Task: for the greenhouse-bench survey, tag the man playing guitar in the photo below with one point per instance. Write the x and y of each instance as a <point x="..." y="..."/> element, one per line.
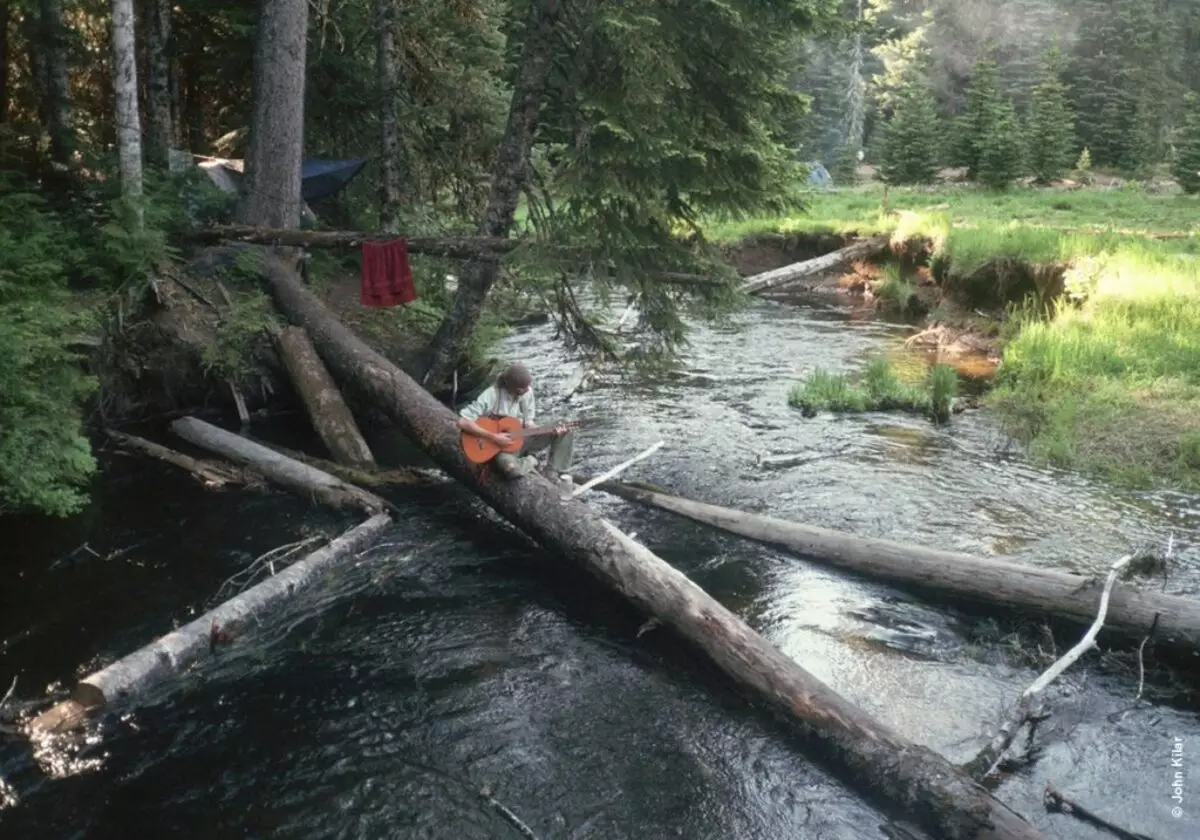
<point x="512" y="396"/>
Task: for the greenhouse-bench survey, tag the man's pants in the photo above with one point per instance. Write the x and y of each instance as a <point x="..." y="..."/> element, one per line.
<point x="562" y="450"/>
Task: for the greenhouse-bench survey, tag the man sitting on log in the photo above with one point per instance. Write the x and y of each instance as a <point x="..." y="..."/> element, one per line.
<point x="512" y="396"/>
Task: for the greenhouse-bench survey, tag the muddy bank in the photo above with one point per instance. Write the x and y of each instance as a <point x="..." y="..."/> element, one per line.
<point x="201" y="332"/>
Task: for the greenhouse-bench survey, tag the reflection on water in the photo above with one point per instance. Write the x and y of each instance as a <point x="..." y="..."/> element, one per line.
<point x="455" y="657"/>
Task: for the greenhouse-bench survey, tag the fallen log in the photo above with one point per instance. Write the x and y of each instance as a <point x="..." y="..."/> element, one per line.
<point x="326" y="409"/>
<point x="210" y="473"/>
<point x="908" y="778"/>
<point x="286" y="472"/>
<point x="170" y="655"/>
<point x="462" y="247"/>
<point x="982" y="580"/>
<point x="788" y="274"/>
<point x="379" y="477"/>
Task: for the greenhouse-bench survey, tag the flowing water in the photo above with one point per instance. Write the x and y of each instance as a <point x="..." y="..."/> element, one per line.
<point x="452" y="655"/>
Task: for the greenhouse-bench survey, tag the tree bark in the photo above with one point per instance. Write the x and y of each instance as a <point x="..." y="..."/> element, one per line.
<point x="292" y="475"/>
<point x="125" y="93"/>
<point x="160" y="134"/>
<point x="326" y="409"/>
<point x="508" y="180"/>
<point x="389" y="207"/>
<point x="271" y="186"/>
<point x="5" y="17"/>
<point x="759" y="283"/>
<point x="912" y="779"/>
<point x="948" y="573"/>
<point x="52" y="52"/>
<point x="170" y="655"/>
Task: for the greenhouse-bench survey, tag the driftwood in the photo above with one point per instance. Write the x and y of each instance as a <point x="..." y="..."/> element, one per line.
<point x="292" y="475"/>
<point x="1056" y="802"/>
<point x="948" y="573"/>
<point x="210" y="473"/>
<point x="170" y="655"/>
<point x="983" y="764"/>
<point x="911" y="779"/>
<point x="326" y="409"/>
<point x="788" y="274"/>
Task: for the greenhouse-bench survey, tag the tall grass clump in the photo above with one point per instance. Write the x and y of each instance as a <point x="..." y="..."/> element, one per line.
<point x="878" y="388"/>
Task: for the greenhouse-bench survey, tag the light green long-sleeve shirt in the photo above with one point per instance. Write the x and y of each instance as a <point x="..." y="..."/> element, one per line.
<point x="496" y="400"/>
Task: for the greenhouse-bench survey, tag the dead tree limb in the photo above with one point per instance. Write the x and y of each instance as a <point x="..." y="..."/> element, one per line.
<point x="379" y="477"/>
<point x="911" y="779"/>
<point x="463" y="247"/>
<point x="1056" y="802"/>
<point x="210" y="473"/>
<point x="169" y="655"/>
<point x="983" y="764"/>
<point x="984" y="580"/>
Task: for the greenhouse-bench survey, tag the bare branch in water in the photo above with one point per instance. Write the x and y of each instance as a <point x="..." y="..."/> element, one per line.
<point x="1056" y="802"/>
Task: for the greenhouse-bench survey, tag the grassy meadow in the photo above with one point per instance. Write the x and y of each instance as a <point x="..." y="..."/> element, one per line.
<point x="1107" y="380"/>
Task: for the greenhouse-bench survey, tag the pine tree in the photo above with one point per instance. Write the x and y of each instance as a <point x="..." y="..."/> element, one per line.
<point x="1000" y="147"/>
<point x="1187" y="150"/>
<point x="974" y="125"/>
<point x="1051" y="124"/>
<point x="911" y="139"/>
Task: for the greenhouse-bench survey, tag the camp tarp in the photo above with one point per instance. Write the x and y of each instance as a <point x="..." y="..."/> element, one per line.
<point x="319" y="178"/>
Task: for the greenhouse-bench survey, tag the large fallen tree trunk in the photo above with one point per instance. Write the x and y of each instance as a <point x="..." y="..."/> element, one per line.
<point x="794" y="273"/>
<point x="909" y="778"/>
<point x="326" y="409"/>
<point x="169" y="655"/>
<point x="983" y="580"/>
<point x="287" y="473"/>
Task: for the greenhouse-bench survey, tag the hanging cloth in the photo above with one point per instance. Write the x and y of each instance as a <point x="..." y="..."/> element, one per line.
<point x="387" y="279"/>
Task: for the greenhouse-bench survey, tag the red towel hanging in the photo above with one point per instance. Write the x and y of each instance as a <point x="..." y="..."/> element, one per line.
<point x="387" y="279"/>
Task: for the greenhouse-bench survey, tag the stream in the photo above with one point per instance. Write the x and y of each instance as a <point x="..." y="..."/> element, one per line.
<point x="451" y="655"/>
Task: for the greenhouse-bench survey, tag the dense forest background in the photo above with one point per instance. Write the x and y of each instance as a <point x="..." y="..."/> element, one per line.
<point x="655" y="115"/>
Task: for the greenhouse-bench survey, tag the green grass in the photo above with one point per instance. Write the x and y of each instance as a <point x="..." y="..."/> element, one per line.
<point x="1107" y="379"/>
<point x="878" y="389"/>
<point x="895" y="292"/>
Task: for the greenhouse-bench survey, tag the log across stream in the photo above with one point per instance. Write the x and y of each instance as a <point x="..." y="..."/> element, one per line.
<point x="992" y="581"/>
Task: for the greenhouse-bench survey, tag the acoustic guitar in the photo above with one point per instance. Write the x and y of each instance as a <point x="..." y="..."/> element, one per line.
<point x="481" y="450"/>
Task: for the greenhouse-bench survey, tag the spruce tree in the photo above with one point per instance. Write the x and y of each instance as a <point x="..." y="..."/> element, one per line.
<point x="911" y="138"/>
<point x="975" y="124"/>
<point x="1000" y="146"/>
<point x="1051" y="124"/>
<point x="1187" y="150"/>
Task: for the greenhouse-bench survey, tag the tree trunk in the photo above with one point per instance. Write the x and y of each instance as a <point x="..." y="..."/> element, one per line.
<point x="389" y="206"/>
<point x="160" y="132"/>
<point x="508" y="179"/>
<point x="271" y="191"/>
<point x="170" y="655"/>
<point x="759" y="283"/>
<point x="125" y="92"/>
<point x="326" y="408"/>
<point x="912" y="779"/>
<point x="949" y="573"/>
<point x="52" y="51"/>
<point x="5" y="16"/>
<point x="292" y="475"/>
